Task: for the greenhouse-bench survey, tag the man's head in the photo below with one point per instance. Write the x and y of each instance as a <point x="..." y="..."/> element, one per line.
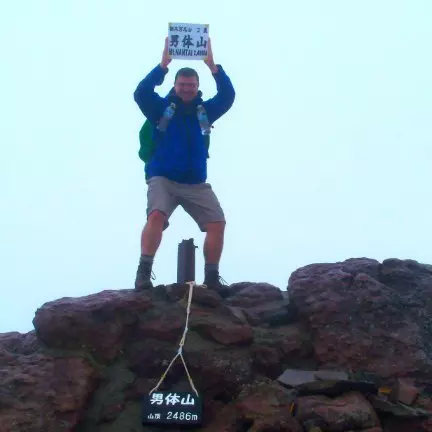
<point x="186" y="84"/>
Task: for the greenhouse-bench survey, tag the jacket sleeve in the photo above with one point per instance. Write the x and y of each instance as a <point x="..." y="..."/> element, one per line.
<point x="149" y="102"/>
<point x="217" y="106"/>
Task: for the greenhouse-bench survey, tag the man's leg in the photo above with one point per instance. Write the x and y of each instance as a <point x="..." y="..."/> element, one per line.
<point x="213" y="245"/>
<point x="152" y="233"/>
<point x="203" y="205"/>
<point x="160" y="205"/>
<point x="150" y="240"/>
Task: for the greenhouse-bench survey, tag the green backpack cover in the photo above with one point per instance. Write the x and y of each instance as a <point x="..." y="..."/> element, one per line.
<point x="147" y="145"/>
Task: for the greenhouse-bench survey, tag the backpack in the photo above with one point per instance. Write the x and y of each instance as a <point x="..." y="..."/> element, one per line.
<point x="147" y="144"/>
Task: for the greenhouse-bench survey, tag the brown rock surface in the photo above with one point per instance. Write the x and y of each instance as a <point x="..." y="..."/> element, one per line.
<point x="404" y="392"/>
<point x="43" y="393"/>
<point x="260" y="407"/>
<point x="249" y="295"/>
<point x="222" y="329"/>
<point x="349" y="411"/>
<point x="357" y="326"/>
<point x="95" y="322"/>
<point x="368" y="316"/>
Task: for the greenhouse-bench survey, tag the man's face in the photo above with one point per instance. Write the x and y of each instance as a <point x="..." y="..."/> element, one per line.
<point x="186" y="87"/>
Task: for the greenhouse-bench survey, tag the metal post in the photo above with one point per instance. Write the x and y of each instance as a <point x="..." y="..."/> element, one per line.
<point x="186" y="261"/>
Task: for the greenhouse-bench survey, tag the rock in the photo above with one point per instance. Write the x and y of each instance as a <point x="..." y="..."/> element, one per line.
<point x="425" y="426"/>
<point x="366" y="266"/>
<point x="168" y="326"/>
<point x="363" y="318"/>
<point x="313" y="428"/>
<point x="315" y="425"/>
<point x="274" y="349"/>
<point x="268" y="407"/>
<point x="276" y="313"/>
<point x="384" y="406"/>
<point x="404" y="392"/>
<point x="18" y="343"/>
<point x="221" y="329"/>
<point x="89" y="361"/>
<point x="239" y="314"/>
<point x="176" y="291"/>
<point x="111" y="412"/>
<point x="149" y="358"/>
<point x="128" y="420"/>
<point x="43" y="393"/>
<point x="220" y="375"/>
<point x="200" y="296"/>
<point x="402" y="425"/>
<point x="260" y="407"/>
<point x="324" y="375"/>
<point x="314" y="382"/>
<point x="109" y="400"/>
<point x="167" y="323"/>
<point x="266" y="360"/>
<point x="407" y="276"/>
<point x="95" y="323"/>
<point x="336" y="388"/>
<point x="374" y="378"/>
<point x="374" y="429"/>
<point x="350" y="411"/>
<point x="248" y="294"/>
<point x="293" y="342"/>
<point x="279" y="423"/>
<point x="425" y="401"/>
<point x="206" y="297"/>
<point x="294" y="378"/>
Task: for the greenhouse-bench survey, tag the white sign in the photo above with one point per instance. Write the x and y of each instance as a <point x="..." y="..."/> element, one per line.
<point x="172" y="408"/>
<point x="188" y="41"/>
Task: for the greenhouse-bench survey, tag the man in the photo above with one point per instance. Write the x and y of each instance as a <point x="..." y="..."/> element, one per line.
<point x="176" y="173"/>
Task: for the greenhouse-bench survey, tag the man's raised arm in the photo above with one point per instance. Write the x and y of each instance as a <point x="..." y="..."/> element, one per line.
<point x="149" y="102"/>
<point x="224" y="98"/>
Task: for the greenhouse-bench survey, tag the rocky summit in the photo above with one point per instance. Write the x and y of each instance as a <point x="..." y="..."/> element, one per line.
<point x="346" y="347"/>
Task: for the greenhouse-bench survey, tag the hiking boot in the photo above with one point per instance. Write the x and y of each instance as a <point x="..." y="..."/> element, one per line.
<point x="144" y="276"/>
<point x="216" y="283"/>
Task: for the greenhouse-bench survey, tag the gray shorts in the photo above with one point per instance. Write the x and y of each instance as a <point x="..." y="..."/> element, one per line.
<point x="198" y="200"/>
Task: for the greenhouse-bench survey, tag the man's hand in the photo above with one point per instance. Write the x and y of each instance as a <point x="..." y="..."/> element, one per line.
<point x="166" y="59"/>
<point x="209" y="60"/>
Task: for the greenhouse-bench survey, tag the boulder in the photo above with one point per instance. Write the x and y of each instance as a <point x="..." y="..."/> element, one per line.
<point x="368" y="316"/>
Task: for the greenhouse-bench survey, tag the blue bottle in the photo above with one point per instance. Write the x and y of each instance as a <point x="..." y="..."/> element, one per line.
<point x="166" y="117"/>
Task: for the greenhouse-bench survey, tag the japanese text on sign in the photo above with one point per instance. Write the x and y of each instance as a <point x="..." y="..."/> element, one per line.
<point x="171" y="399"/>
<point x="188" y="41"/>
<point x="163" y="407"/>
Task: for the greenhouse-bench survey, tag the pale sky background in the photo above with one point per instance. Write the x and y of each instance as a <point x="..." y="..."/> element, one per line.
<point x="325" y="155"/>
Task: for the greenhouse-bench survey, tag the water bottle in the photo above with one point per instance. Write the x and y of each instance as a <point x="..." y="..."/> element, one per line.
<point x="203" y="120"/>
<point x="167" y="116"/>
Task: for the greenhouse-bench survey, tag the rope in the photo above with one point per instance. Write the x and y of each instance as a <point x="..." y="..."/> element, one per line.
<point x="180" y="349"/>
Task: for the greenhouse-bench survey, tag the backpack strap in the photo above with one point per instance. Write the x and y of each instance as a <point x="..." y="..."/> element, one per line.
<point x="147" y="145"/>
<point x="169" y="113"/>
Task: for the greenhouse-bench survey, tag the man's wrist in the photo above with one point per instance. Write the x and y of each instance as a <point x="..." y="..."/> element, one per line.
<point x="213" y="67"/>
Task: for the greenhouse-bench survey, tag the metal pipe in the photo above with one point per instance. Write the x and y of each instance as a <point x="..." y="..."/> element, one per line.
<point x="186" y="261"/>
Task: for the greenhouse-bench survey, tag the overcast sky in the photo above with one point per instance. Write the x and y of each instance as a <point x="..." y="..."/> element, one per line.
<point x="325" y="155"/>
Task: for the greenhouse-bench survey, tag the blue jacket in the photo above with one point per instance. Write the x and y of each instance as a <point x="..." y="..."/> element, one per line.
<point x="181" y="154"/>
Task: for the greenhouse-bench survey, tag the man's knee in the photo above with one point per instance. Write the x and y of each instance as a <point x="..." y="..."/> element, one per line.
<point x="217" y="228"/>
<point x="157" y="218"/>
